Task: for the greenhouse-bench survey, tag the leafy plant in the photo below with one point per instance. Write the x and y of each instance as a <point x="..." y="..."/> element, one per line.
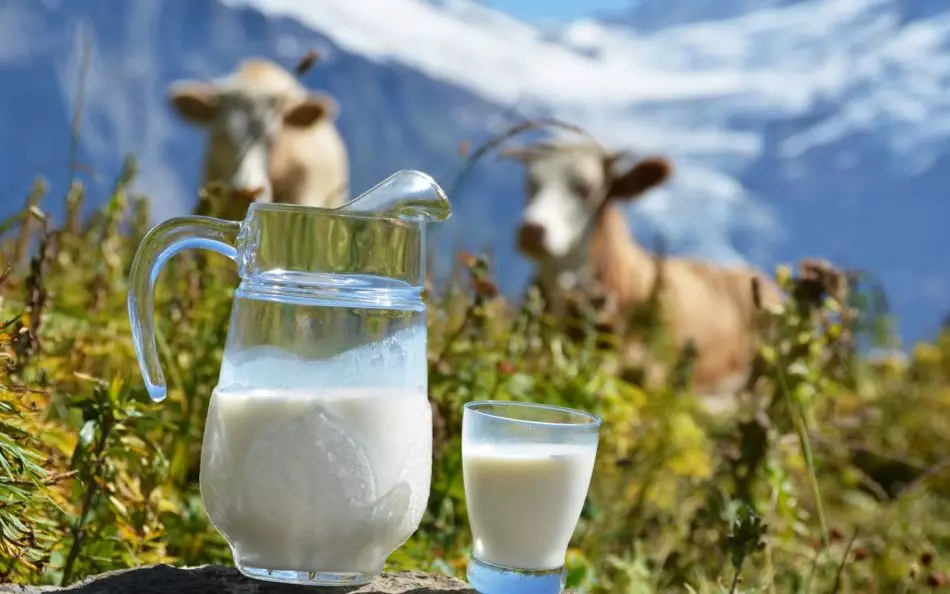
<point x="95" y="477"/>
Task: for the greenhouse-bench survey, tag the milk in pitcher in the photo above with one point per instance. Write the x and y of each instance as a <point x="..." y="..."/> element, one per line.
<point x="304" y="468"/>
<point x="316" y="481"/>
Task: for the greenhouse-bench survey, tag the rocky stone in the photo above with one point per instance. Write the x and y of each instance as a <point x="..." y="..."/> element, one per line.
<point x="211" y="579"/>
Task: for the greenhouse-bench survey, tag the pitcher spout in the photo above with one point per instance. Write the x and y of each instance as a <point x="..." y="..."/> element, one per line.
<point x="407" y="194"/>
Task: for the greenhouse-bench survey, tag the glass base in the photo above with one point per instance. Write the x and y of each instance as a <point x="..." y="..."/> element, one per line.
<point x="305" y="578"/>
<point x="494" y="579"/>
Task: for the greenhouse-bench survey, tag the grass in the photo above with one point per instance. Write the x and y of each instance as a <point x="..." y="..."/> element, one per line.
<point x="831" y="477"/>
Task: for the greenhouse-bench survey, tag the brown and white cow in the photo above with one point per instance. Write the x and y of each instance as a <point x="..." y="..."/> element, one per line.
<point x="269" y="137"/>
<point x="575" y="232"/>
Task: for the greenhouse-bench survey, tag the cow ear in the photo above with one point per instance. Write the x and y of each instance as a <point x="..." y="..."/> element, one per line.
<point x="646" y="174"/>
<point x="196" y="102"/>
<point x="313" y="108"/>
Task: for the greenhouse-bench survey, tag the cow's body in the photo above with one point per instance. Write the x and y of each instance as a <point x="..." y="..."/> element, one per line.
<point x="269" y="138"/>
<point x="577" y="234"/>
<point x="711" y="306"/>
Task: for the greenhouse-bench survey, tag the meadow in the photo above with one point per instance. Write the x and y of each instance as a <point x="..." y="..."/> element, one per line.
<point x="831" y="477"/>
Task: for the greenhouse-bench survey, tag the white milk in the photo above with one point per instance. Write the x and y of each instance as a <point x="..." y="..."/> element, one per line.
<point x="329" y="480"/>
<point x="524" y="500"/>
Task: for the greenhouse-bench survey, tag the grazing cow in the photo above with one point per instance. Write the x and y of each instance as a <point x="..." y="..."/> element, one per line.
<point x="574" y="230"/>
<point x="270" y="139"/>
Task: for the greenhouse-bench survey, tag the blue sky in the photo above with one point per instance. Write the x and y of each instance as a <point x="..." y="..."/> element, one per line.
<point x="557" y="9"/>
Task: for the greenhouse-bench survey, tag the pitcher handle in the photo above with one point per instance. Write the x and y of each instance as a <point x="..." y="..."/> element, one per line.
<point x="161" y="243"/>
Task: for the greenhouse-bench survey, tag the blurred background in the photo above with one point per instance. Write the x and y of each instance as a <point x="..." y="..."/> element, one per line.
<point x="799" y="128"/>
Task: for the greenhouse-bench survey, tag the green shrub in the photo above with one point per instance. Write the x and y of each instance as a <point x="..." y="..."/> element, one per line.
<point x="829" y="477"/>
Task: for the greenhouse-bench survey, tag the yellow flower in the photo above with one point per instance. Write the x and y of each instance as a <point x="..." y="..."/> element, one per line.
<point x="632" y="491"/>
<point x="783" y="275"/>
<point x="684" y="430"/>
<point x="943" y="396"/>
<point x="662" y="494"/>
<point x="575" y="557"/>
<point x="893" y="367"/>
<point x="894" y="567"/>
<point x="693" y="462"/>
<point x="927" y="354"/>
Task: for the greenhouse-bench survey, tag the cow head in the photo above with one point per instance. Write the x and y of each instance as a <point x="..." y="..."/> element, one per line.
<point x="567" y="186"/>
<point x="245" y="114"/>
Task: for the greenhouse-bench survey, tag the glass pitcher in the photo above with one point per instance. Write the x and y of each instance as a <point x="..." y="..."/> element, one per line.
<point x="316" y="457"/>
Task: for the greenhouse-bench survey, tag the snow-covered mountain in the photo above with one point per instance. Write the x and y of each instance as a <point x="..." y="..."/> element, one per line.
<point x="799" y="127"/>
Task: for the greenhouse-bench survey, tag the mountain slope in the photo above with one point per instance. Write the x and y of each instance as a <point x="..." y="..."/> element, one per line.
<point x="799" y="128"/>
<point x="392" y="116"/>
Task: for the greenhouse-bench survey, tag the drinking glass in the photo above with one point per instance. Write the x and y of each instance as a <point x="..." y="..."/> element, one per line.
<point x="526" y="469"/>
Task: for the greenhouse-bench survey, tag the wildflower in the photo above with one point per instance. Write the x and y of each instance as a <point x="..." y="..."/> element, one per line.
<point x="936" y="580"/>
<point x="485" y="287"/>
<point x="505" y="367"/>
<point x="746" y="536"/>
<point x="467" y="259"/>
<point x="307" y="62"/>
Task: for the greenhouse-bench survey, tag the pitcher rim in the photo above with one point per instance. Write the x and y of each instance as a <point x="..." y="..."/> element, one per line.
<point x="334" y="212"/>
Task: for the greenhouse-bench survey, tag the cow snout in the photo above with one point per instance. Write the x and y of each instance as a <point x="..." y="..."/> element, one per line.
<point x="531" y="239"/>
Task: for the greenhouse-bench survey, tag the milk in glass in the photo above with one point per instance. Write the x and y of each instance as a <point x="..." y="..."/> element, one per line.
<point x="524" y="500"/>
